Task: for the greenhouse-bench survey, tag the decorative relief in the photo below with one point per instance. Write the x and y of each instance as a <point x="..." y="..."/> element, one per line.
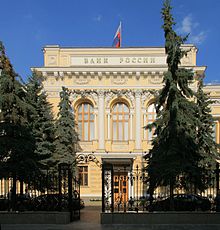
<point x="130" y="95"/>
<point x="156" y="79"/>
<point x="187" y="59"/>
<point x="65" y="60"/>
<point x="86" y="158"/>
<point x="81" y="81"/>
<point x="101" y="93"/>
<point x="52" y="60"/>
<point x="146" y="96"/>
<point x="138" y="93"/>
<point x="110" y="94"/>
<point x="85" y="94"/>
<point x="52" y="82"/>
<point x="119" y="81"/>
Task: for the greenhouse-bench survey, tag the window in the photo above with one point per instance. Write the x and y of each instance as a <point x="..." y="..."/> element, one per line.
<point x="214" y="131"/>
<point x="151" y="116"/>
<point x="120" y="122"/>
<point x="85" y="118"/>
<point x="83" y="175"/>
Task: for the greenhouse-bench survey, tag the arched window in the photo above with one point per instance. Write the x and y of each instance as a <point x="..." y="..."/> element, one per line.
<point x="120" y="122"/>
<point x="85" y="119"/>
<point x="151" y="116"/>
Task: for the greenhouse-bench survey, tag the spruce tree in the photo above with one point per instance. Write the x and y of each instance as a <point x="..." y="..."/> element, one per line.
<point x="41" y="122"/>
<point x="174" y="153"/>
<point x="208" y="147"/>
<point x="17" y="157"/>
<point x="66" y="136"/>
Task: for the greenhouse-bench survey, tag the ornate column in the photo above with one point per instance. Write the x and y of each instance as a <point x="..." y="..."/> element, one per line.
<point x="138" y="119"/>
<point x="101" y="119"/>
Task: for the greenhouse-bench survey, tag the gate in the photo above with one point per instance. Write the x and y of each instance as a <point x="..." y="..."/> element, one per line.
<point x="69" y="187"/>
<point x="121" y="188"/>
<point x="107" y="188"/>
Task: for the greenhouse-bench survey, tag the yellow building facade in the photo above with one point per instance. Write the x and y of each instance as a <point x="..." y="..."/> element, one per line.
<point x="112" y="95"/>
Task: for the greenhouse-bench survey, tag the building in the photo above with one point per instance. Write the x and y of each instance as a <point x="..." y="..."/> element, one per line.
<point x="112" y="96"/>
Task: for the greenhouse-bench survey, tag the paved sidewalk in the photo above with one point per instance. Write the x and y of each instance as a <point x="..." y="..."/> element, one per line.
<point x="90" y="220"/>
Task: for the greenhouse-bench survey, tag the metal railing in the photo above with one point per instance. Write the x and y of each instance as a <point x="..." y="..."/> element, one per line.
<point x="51" y="191"/>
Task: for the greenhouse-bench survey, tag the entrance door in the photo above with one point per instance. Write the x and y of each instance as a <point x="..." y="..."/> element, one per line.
<point x="120" y="188"/>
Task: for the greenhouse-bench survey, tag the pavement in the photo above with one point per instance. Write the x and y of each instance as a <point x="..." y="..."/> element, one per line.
<point x="90" y="219"/>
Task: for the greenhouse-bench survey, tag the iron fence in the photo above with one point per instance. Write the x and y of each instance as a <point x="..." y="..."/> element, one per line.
<point x="51" y="191"/>
<point x="134" y="195"/>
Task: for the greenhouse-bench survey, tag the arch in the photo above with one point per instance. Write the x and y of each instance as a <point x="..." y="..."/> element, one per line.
<point x="81" y="100"/>
<point x="149" y="102"/>
<point x="119" y="100"/>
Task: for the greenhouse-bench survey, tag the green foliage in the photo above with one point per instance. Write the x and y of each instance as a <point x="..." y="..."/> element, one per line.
<point x="17" y="144"/>
<point x="208" y="147"/>
<point x="66" y="137"/>
<point x="41" y="122"/>
<point x="174" y="150"/>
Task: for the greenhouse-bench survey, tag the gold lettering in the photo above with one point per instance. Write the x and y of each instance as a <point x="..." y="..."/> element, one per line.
<point x="105" y="60"/>
<point x="134" y="60"/>
<point x="86" y="61"/>
<point x="139" y="60"/>
<point x="121" y="60"/>
<point x="92" y="61"/>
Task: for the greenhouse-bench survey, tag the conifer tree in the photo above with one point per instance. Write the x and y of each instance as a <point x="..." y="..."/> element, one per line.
<point x="17" y="157"/>
<point x="208" y="147"/>
<point x="41" y="123"/>
<point x="174" y="151"/>
<point x="66" y="137"/>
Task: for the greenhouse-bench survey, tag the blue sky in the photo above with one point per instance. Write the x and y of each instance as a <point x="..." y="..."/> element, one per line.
<point x="28" y="25"/>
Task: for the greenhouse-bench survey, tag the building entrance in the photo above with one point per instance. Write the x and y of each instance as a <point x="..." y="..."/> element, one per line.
<point x="116" y="183"/>
<point x="120" y="187"/>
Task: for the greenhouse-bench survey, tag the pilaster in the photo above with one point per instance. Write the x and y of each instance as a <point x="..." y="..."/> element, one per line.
<point x="138" y="119"/>
<point x="101" y="120"/>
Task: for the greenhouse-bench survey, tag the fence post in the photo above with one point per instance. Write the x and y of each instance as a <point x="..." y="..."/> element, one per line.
<point x="70" y="193"/>
<point x="112" y="189"/>
<point x="217" y="177"/>
<point x="60" y="186"/>
<point x="103" y="188"/>
<point x="13" y="193"/>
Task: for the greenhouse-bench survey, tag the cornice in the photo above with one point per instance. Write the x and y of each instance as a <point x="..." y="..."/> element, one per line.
<point x="116" y="77"/>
